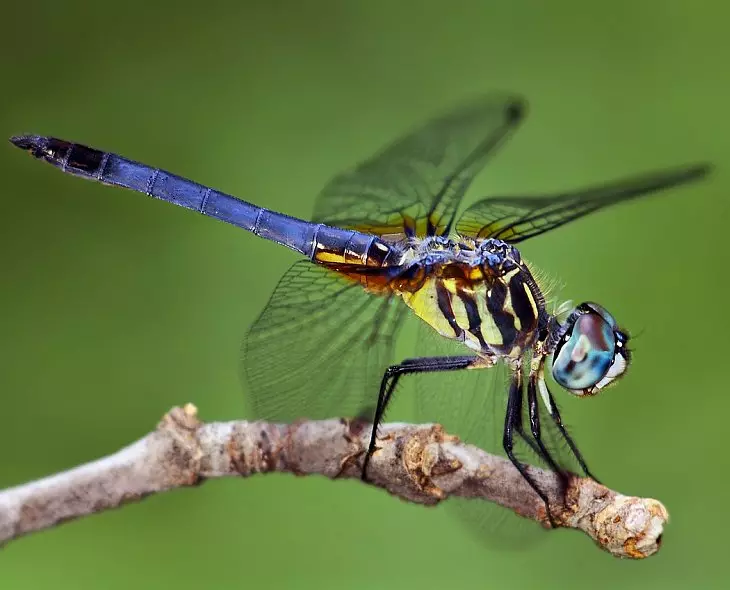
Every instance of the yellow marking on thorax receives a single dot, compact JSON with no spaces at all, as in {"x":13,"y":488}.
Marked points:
{"x":475,"y":274}
{"x":508,"y":299}
{"x":424,"y":303}
{"x":460,"y":315}
{"x":450,"y":285}
{"x":531,"y":299}
{"x":490,"y":331}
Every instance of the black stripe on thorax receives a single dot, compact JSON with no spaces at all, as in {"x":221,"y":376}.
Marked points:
{"x":444,"y":302}
{"x":521,"y":304}
{"x":503,"y":319}
{"x":472,"y":313}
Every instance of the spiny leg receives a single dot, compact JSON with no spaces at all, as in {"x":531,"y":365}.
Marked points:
{"x":512,"y":419}
{"x":534,"y":412}
{"x":535,"y":443}
{"x":519,"y":429}
{"x":393,"y":374}
{"x":555,"y":415}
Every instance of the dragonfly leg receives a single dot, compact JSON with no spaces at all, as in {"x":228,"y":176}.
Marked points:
{"x":511,"y":422}
{"x":393,"y":374}
{"x":518,"y":428}
{"x":555,"y":415}
{"x":534,"y":412}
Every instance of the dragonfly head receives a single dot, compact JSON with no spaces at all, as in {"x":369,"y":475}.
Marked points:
{"x":591,"y":351}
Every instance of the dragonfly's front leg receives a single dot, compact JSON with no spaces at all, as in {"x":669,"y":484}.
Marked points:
{"x":393,"y":374}
{"x":534,"y":412}
{"x":552,"y":409}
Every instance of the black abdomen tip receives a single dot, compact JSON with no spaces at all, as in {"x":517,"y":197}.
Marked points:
{"x":70,"y":157}
{"x":30,"y":143}
{"x":24,"y":142}
{"x":46,"y":148}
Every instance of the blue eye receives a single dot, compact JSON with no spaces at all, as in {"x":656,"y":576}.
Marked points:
{"x":585,"y":358}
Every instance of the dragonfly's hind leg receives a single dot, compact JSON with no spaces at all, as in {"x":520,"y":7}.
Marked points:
{"x":393,"y":374}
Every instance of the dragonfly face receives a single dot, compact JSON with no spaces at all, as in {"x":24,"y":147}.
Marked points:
{"x":591,"y":352}
{"x":386,"y":232}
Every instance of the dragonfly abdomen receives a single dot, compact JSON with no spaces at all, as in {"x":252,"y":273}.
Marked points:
{"x":319,"y":242}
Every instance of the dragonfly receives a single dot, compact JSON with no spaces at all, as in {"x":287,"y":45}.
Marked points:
{"x":384,"y":242}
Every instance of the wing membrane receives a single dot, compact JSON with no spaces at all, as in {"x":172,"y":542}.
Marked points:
{"x":516,"y":219}
{"x":414,"y":186}
{"x":320,"y":347}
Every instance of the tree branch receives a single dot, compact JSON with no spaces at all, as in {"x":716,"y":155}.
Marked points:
{"x":418,"y":463}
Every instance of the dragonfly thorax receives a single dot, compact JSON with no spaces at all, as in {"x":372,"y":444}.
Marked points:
{"x":496,"y":256}
{"x":478,"y":292}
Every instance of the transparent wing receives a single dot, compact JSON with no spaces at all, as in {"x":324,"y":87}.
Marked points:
{"x":515,"y":219}
{"x":320,"y":347}
{"x":414,"y":186}
{"x":472,"y":405}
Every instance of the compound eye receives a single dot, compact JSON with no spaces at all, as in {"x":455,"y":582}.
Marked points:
{"x":600,"y":310}
{"x":586,"y":352}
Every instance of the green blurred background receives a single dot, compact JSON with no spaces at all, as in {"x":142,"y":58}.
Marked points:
{"x":117,"y":307}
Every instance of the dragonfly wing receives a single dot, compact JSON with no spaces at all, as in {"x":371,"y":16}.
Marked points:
{"x":414,"y":186}
{"x":320,"y":347}
{"x":516,"y":219}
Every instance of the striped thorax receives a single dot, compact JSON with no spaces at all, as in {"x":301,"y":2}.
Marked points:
{"x":480,"y":293}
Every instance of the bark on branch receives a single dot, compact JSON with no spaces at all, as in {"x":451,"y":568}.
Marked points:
{"x":418,"y":463}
